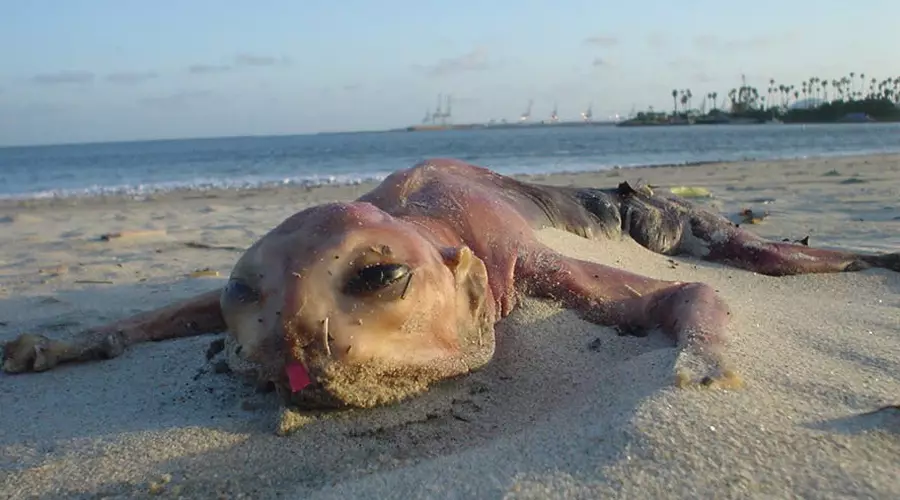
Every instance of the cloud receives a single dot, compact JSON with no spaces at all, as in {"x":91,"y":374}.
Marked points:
{"x":240,"y":60}
{"x":475,"y":60}
{"x":713,"y":42}
{"x":600,"y":62}
{"x":351,"y":87}
{"x":206,"y":69}
{"x":176,"y":100}
{"x":601,"y":41}
{"x":685,"y":62}
{"x":64,"y":78}
{"x":130,"y":77}
{"x":257,"y":60}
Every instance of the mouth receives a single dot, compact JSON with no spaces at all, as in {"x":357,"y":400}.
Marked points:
{"x":301,"y":391}
{"x":312,"y":397}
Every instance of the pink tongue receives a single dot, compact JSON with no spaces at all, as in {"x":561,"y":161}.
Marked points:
{"x":297,"y":376}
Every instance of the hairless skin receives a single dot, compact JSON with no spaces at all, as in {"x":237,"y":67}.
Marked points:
{"x":368,"y":302}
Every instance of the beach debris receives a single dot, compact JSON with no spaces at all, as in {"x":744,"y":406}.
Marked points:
{"x":803,"y":241}
{"x":93,"y":282}
{"x":853,"y":180}
{"x":141,"y":233}
{"x":206,"y":246}
{"x":831,"y":173}
{"x":748,"y":216}
{"x":20,"y":218}
{"x":625,"y":188}
{"x":54,"y":270}
{"x":204,"y":273}
{"x":158,"y":486}
{"x":690,"y":192}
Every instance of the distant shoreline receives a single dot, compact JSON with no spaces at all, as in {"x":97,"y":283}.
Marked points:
{"x":418,"y":128}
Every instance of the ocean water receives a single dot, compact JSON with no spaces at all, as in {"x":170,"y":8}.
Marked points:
{"x":246,"y":162}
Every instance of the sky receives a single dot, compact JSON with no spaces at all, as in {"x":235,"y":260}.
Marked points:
{"x":112,"y":70}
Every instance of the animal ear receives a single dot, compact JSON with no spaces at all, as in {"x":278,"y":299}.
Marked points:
{"x":475,"y":326}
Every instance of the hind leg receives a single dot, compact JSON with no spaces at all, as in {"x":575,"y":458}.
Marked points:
{"x":674,"y":226}
{"x":691,"y":313}
{"x":714,"y":238}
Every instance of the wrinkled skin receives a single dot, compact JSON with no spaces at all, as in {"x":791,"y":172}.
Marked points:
{"x":368,"y":302}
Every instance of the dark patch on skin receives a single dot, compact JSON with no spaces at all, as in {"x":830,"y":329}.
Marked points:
{"x":238,"y":291}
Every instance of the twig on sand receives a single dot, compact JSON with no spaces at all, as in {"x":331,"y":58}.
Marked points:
{"x":326,"y":337}
{"x":205,"y":246}
{"x":205,"y":272}
{"x":142,"y":233}
{"x":94,"y":282}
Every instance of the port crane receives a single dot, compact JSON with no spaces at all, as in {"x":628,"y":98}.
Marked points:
{"x":527,"y":114}
{"x":588,"y":114}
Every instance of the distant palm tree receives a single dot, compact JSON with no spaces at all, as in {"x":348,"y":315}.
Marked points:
{"x":675,"y":102}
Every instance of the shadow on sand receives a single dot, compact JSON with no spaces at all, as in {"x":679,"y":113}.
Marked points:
{"x":163,"y":395}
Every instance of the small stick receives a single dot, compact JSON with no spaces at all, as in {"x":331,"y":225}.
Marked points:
{"x":205,"y":246}
{"x":133,"y":234}
{"x":406,"y":287}
{"x":635,"y":292}
{"x":325,"y":335}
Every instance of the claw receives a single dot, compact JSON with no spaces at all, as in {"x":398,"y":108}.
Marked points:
{"x":728,"y":380}
{"x":29,"y":353}
{"x":708,"y":369}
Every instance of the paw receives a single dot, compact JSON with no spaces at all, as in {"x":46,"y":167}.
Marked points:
{"x":705,"y":370}
{"x":30,"y":353}
{"x":726,"y":380}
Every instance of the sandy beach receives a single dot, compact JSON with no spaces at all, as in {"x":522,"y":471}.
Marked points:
{"x":566,"y":410}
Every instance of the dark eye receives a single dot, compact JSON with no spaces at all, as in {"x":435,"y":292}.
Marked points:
{"x":376,"y":277}
{"x":239,"y":291}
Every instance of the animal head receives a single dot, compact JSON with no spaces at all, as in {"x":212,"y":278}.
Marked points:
{"x":344,"y":305}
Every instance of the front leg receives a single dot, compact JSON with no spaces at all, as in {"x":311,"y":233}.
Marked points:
{"x":691,"y":313}
{"x":195,"y":316}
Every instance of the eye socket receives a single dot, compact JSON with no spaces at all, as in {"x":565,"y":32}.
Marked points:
{"x":238,"y":291}
{"x":378,"y":277}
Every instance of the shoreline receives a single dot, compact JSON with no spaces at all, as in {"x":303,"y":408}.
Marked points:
{"x":324,"y":190}
{"x":403,"y":129}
